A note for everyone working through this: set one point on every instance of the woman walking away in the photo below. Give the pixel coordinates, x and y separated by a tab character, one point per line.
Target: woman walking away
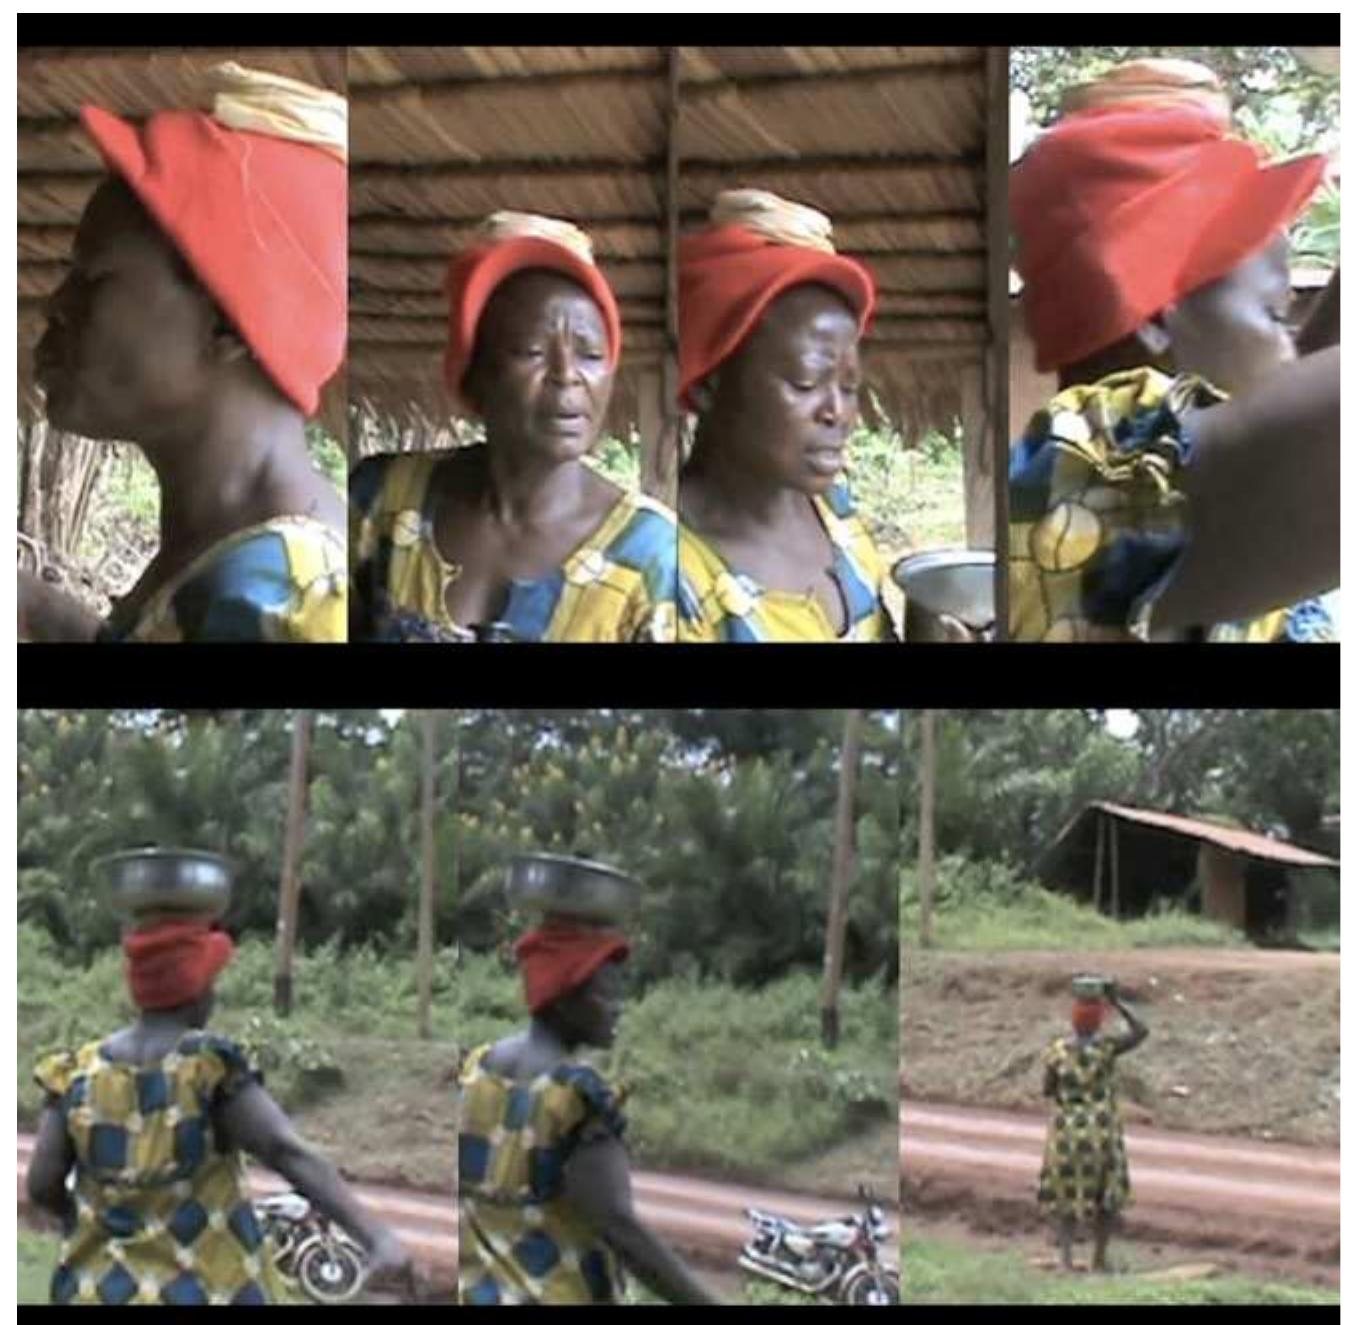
1084	1181
546	1210
153	1123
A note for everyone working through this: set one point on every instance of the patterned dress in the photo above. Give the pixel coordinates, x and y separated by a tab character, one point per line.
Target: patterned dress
283	581
717	604
1098	520
521	1242
161	1215
616	587
1085	1168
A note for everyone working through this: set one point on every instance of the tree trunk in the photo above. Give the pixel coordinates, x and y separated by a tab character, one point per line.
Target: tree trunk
843	860
289	900
926	862
428	887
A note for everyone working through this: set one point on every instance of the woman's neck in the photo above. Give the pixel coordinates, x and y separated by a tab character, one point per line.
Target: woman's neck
247	463
718	494
529	492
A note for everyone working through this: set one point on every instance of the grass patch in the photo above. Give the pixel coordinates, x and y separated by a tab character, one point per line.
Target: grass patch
946	1272
37	1259
984	907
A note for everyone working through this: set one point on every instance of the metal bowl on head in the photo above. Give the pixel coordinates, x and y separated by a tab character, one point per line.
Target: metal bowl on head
951	596
167	881
542	885
1090	986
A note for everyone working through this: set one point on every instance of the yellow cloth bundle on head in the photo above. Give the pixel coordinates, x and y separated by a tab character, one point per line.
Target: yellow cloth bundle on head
258	102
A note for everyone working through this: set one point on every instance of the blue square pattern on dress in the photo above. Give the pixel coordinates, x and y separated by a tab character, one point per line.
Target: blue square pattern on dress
121	1221
190	1144
152	1091
107	1146
518	1108
475	1153
189	1220
547	1173
537	1253
244	1225
597	1275
64	1285
483	1294
183	1291
251	1295
117	1287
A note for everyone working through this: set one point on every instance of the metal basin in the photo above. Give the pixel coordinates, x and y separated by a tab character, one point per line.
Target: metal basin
166	880
951	596
541	884
1090	986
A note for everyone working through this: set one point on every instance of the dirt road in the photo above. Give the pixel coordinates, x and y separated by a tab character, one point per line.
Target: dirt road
1189	1190
702	1219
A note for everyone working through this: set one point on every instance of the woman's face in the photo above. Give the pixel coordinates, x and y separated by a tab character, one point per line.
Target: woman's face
1234	331
788	400
540	375
127	350
591	1013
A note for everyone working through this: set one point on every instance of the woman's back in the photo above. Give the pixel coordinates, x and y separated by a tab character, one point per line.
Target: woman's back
162	1215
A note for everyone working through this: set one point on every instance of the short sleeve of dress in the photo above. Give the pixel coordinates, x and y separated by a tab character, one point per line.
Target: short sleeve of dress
284	583
1097	516
602	1112
53	1073
226	1066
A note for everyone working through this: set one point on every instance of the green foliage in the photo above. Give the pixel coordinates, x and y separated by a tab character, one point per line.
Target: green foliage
984	906
910	497
618	460
38	1254
944	1272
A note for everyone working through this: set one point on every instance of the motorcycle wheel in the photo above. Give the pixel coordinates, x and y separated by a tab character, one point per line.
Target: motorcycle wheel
331	1272
879	1288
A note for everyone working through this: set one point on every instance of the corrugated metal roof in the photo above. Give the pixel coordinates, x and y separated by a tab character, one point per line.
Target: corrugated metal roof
1230	839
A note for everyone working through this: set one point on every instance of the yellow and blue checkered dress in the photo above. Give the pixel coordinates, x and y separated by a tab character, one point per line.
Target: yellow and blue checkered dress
521	1243
718	605
616	587
1085	1168
280	582
161	1216
1097	519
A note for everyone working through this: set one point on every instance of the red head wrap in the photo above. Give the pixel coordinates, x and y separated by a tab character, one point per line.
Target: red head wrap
263	223
557	957
1087	1015
729	275
174	961
476	273
1121	210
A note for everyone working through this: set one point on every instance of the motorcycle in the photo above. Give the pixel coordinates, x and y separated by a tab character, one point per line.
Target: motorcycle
836	1259
308	1248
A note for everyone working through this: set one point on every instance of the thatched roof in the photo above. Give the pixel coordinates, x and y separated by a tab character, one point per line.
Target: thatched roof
888	140
59	168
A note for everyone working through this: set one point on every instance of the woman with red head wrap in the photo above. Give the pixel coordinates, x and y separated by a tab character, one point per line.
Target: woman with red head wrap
520	538
771	316
546	1216
1084	1179
1183	483
204	309
154	1122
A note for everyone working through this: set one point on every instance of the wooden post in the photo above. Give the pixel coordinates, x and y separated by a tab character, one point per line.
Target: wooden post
997	359
1113	863
926	863
1099	860
843	859
428	888
289	900
979	480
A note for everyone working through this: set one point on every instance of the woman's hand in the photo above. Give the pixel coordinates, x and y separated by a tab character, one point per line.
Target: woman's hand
50	615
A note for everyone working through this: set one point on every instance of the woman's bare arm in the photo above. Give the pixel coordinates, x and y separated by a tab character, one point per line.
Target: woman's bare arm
52	1159
1263	490
597	1182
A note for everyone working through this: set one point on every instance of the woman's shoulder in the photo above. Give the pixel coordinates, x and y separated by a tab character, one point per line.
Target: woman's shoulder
221	1058
282	580
58	1070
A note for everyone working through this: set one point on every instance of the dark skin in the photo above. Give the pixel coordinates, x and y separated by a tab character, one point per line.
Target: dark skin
251	1121
516	508
1136	1032
772	432
136	350
597	1175
1263	487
